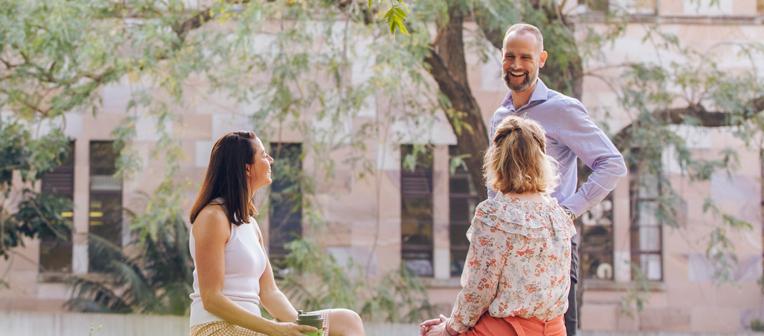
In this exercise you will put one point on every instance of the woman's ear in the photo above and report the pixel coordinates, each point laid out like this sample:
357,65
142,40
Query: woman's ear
247,168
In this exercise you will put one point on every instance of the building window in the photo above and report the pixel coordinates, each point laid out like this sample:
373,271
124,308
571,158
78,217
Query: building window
596,246
105,215
634,7
637,7
285,212
416,209
709,8
646,229
463,198
56,247
594,5
595,228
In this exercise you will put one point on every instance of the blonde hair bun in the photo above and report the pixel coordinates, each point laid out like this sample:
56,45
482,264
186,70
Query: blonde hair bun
516,160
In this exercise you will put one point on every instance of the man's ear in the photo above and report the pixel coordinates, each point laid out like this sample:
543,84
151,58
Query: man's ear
542,58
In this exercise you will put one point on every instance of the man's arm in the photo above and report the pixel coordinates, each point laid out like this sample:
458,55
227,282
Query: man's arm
582,136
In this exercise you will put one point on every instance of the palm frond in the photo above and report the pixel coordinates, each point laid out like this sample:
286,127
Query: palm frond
155,279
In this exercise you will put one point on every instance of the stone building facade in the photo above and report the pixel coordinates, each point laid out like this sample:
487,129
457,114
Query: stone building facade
418,217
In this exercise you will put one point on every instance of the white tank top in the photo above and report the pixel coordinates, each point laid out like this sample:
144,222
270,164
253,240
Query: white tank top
245,261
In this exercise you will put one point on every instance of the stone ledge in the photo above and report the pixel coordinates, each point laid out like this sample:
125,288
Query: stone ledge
599,285
449,283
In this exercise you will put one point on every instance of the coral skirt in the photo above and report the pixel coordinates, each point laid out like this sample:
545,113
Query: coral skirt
516,326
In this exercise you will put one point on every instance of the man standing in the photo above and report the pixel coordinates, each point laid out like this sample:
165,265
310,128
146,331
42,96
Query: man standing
570,134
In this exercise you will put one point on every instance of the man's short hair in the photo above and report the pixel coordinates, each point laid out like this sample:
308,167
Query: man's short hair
524,28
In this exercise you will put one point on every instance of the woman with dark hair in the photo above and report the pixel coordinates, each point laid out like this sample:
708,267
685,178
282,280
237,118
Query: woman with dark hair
232,275
517,273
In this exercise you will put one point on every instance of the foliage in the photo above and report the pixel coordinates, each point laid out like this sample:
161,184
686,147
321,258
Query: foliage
636,296
25,213
151,275
362,85
38,215
310,276
646,90
396,16
400,296
55,64
314,280
757,325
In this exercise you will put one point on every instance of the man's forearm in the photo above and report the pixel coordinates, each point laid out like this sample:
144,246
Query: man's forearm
601,182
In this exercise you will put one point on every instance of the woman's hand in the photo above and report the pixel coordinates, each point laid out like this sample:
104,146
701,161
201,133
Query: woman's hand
289,329
425,326
438,330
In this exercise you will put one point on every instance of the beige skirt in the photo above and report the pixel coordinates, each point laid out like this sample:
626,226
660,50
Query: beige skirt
223,328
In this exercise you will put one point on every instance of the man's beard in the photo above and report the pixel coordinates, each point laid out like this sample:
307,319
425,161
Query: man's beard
518,87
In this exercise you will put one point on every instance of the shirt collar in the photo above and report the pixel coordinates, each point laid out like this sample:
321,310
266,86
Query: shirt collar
540,93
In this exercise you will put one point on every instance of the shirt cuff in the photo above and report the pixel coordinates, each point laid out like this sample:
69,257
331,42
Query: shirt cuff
576,203
455,325
569,213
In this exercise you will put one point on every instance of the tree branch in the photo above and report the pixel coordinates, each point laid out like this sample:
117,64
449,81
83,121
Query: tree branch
194,22
8,64
200,18
698,115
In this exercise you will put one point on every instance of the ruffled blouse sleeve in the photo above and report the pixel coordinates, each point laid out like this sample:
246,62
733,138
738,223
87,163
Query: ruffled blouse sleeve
482,269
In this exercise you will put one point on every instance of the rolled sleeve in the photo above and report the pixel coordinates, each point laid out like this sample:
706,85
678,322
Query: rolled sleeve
587,141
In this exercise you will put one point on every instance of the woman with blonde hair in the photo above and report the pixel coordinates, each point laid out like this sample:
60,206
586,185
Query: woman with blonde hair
517,273
232,275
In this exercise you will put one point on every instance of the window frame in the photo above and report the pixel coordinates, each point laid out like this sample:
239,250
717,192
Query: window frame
293,220
99,194
605,253
458,250
635,227
423,173
65,170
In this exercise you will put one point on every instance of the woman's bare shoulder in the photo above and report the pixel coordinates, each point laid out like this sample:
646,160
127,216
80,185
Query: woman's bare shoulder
211,212
212,218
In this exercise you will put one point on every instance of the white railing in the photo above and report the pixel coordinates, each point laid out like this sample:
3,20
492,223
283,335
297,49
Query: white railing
23,323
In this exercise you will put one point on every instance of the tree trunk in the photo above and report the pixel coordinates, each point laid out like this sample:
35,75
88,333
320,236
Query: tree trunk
448,67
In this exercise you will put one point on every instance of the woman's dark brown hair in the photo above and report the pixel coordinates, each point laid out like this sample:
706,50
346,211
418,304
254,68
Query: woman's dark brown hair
227,178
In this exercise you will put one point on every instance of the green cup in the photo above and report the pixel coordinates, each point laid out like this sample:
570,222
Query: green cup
313,320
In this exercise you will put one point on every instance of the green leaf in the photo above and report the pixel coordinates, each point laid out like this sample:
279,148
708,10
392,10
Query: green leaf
396,17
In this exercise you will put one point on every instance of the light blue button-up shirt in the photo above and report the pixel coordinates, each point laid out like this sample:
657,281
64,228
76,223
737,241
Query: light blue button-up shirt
570,133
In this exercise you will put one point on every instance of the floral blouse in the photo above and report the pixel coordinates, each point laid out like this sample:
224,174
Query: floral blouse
518,263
